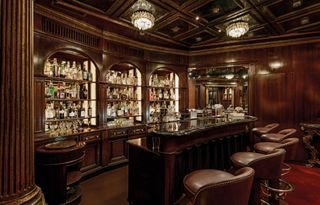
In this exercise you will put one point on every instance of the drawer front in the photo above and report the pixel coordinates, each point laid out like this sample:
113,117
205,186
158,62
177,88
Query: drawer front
118,133
137,130
90,138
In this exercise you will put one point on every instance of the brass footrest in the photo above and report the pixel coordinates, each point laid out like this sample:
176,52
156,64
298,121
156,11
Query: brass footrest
278,192
285,169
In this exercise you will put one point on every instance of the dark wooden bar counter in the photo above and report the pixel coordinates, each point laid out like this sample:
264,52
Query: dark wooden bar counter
158,163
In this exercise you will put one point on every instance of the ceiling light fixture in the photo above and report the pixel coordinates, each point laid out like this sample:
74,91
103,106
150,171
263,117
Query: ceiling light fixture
142,16
237,29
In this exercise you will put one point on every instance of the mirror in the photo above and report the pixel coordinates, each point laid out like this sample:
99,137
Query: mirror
225,85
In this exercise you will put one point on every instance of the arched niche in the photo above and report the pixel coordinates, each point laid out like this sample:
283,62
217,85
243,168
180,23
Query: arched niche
163,96
70,92
124,95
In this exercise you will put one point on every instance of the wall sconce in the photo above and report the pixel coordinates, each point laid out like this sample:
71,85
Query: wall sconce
275,65
229,76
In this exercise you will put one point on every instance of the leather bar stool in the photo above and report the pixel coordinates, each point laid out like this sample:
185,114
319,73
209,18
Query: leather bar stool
289,144
267,168
279,136
258,131
215,187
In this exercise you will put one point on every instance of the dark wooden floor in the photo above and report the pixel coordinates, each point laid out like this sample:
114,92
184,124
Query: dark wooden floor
108,188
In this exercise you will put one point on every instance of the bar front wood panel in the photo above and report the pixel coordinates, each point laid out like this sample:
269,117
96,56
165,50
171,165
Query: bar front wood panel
156,177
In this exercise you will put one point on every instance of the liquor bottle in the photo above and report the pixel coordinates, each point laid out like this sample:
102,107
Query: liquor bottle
89,109
108,110
55,67
151,98
82,111
62,69
61,111
75,110
71,112
74,71
84,92
48,112
160,96
47,68
66,111
47,90
68,70
62,94
79,73
85,75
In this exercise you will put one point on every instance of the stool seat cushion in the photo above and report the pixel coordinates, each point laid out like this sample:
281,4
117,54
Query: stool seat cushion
266,147
273,137
265,129
266,166
201,178
243,159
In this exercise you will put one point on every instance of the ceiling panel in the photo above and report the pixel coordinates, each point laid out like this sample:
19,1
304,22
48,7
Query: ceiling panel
176,24
199,38
177,27
215,9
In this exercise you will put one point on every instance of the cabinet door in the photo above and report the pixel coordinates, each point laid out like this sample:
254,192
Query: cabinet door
92,158
117,150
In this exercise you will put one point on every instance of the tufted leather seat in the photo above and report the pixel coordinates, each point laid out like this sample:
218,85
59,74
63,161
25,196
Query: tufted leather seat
215,187
289,144
263,130
266,166
279,136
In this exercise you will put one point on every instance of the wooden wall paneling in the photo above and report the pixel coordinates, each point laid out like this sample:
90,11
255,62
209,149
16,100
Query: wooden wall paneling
192,94
39,105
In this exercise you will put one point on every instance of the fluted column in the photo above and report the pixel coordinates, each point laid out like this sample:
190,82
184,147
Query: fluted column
17,183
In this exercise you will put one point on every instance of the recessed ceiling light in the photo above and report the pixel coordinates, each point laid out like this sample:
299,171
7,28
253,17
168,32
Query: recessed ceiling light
197,18
219,30
296,3
304,20
198,39
215,9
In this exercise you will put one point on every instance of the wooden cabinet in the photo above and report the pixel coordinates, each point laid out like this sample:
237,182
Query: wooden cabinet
117,148
92,158
58,171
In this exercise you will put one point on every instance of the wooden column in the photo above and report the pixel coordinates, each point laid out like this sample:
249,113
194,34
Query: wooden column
17,183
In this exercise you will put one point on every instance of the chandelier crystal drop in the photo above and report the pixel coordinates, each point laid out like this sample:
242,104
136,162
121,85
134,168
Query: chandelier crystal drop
237,29
142,17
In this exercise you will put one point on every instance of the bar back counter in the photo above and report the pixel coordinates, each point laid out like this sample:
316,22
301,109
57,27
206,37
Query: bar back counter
158,164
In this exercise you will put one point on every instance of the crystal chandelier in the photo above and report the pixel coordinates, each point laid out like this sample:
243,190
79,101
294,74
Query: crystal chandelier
237,29
142,17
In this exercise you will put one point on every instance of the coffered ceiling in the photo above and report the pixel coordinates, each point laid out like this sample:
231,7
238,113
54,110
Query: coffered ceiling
176,25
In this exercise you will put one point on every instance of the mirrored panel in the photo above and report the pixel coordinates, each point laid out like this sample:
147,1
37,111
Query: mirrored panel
224,85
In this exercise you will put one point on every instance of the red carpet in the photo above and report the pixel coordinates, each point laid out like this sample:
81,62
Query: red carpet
307,185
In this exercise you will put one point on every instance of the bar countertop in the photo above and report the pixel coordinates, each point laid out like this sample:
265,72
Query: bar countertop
192,126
